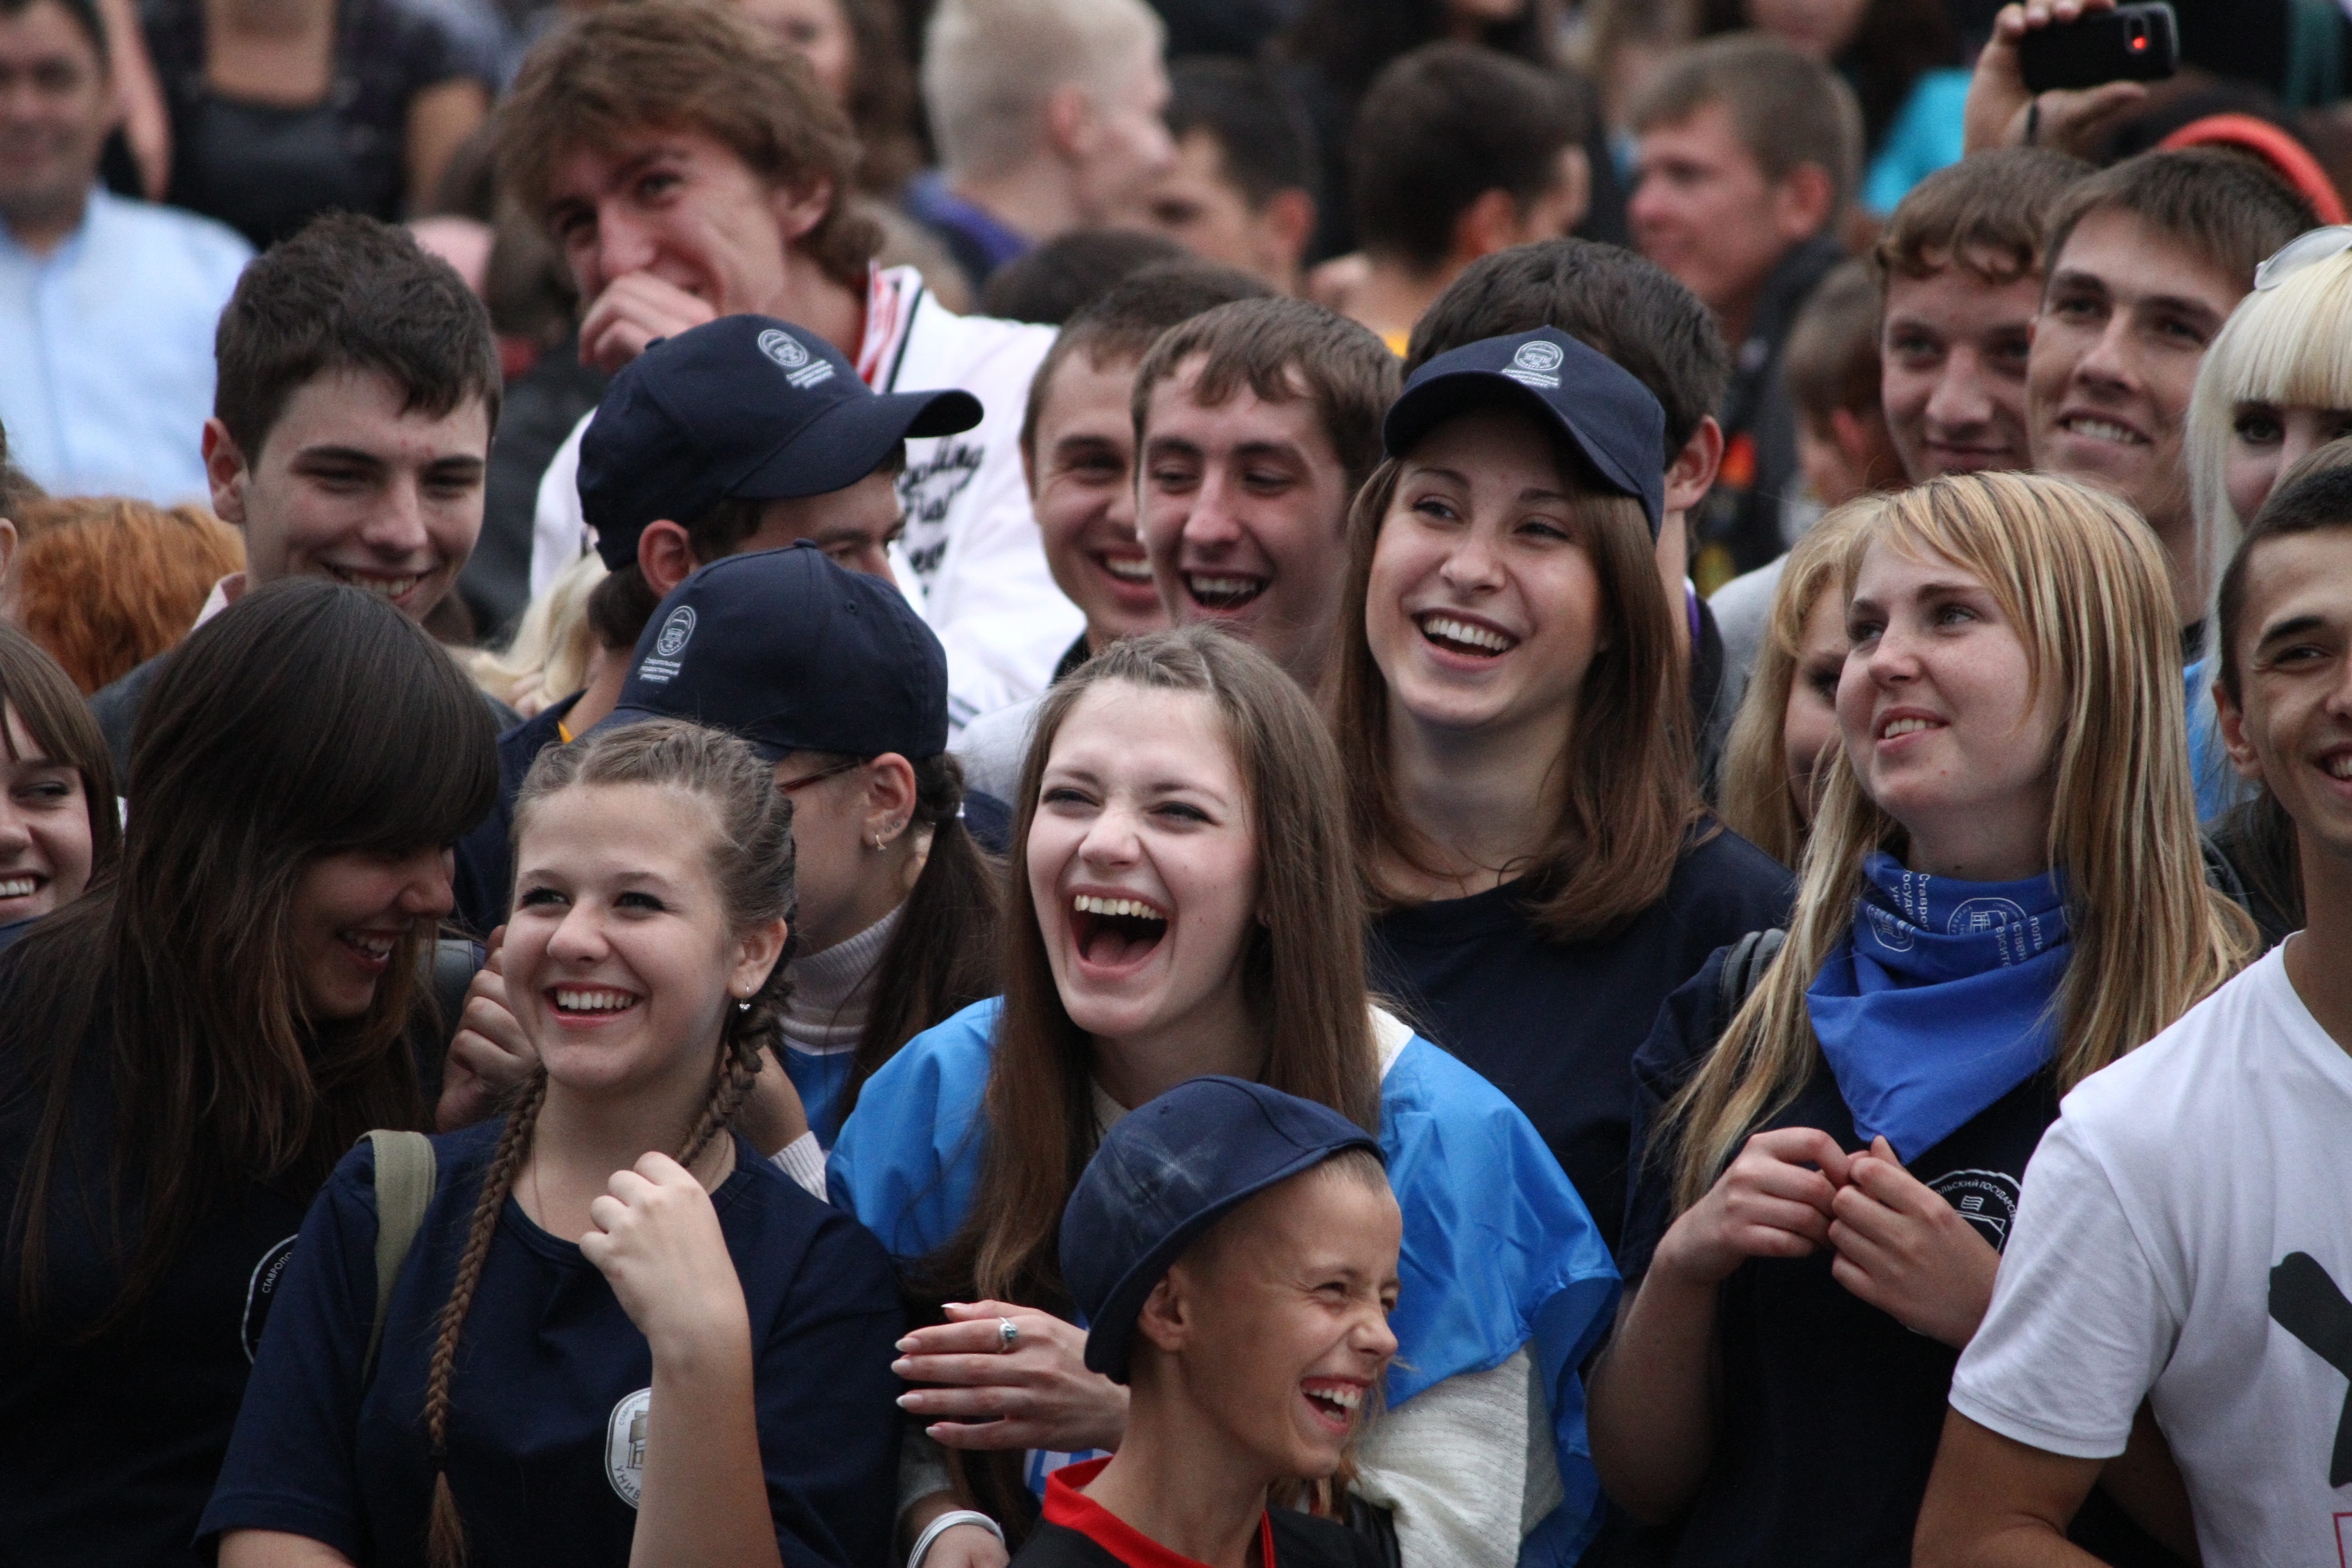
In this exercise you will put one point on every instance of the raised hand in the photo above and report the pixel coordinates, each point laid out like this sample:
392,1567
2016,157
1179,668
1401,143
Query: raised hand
1038,1395
489,1055
1904,1251
1999,111
657,1239
634,310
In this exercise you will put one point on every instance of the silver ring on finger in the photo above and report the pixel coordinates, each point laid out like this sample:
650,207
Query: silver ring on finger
1008,1334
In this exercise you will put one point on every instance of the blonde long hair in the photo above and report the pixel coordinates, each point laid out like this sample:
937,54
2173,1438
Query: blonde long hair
1758,801
2084,581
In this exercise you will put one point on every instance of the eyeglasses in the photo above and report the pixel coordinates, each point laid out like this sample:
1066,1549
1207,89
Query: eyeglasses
2304,249
789,785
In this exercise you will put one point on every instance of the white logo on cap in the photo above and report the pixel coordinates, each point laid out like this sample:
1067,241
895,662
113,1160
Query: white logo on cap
675,631
624,1446
1537,364
801,368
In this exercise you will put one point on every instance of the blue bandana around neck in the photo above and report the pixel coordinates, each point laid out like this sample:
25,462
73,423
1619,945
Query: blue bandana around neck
1939,1003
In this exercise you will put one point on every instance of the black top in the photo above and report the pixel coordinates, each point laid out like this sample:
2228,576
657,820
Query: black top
1300,1540
1829,1410
1555,1025
547,1428
485,872
116,1438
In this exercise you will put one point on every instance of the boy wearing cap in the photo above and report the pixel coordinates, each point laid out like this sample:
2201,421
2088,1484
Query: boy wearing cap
1235,1252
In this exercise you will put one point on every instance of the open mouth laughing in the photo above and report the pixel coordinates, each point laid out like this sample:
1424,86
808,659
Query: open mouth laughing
376,583
21,885
1334,1401
1115,933
1223,592
589,1003
1470,639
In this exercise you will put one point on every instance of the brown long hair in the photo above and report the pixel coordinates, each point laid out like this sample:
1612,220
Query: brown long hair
751,861
308,718
2083,580
1629,806
1302,974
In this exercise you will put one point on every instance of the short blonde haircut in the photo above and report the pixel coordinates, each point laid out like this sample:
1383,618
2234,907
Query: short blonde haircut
548,660
988,65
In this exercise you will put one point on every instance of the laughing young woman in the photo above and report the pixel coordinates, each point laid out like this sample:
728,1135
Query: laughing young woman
2002,894
619,1335
186,1051
1511,717
1184,905
58,825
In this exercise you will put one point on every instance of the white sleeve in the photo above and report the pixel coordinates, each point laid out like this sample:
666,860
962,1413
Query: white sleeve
2080,1324
803,1162
559,534
1466,1467
994,606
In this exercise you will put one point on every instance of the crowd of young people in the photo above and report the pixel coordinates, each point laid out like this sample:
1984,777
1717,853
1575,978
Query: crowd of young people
1179,938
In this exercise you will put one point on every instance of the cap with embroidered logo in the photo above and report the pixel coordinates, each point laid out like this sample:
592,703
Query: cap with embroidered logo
793,653
744,407
1606,413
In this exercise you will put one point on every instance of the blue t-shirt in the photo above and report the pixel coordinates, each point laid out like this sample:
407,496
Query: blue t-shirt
1498,1251
545,1436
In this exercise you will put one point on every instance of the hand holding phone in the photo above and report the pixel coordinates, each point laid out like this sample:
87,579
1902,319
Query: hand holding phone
2004,112
2130,43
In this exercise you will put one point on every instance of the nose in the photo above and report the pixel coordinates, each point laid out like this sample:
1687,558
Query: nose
1110,841
1373,1337
622,244
1892,659
394,527
579,937
430,892
1471,566
2112,360
1214,522
1960,401
16,834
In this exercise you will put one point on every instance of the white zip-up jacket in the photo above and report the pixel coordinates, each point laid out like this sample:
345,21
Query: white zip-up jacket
973,563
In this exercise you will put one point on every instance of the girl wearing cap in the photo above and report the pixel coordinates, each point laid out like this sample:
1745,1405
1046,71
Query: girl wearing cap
602,1342
58,826
1513,728
2002,894
187,1049
1182,904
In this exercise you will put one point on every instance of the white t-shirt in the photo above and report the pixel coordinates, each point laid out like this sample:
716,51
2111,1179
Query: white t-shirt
2188,1214
977,561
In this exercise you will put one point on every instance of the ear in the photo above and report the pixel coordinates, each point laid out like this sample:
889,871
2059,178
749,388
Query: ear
797,211
1288,222
1068,121
889,797
1575,189
1803,202
1692,473
2242,755
1492,222
1165,1318
227,471
8,549
1851,435
665,555
756,952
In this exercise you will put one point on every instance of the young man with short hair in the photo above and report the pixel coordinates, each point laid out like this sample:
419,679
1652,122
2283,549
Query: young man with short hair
1458,153
1959,262
107,305
1255,424
1046,114
1241,191
2183,1247
1831,364
2146,261
689,168
1748,154
358,389
1078,446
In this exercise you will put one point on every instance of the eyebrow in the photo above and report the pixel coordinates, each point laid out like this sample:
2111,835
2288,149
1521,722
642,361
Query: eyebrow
2292,626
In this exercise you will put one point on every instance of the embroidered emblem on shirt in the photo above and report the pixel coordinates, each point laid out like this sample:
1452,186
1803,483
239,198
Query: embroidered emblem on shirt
2309,1305
624,1446
1986,1199
260,1290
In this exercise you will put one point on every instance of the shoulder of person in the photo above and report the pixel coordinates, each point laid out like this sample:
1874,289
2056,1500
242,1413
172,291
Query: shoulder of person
911,1139
1722,876
1689,1022
189,245
1303,1540
981,353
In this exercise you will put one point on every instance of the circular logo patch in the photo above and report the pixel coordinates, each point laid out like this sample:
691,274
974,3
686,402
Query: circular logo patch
1986,1199
624,1446
783,348
675,632
1538,357
261,1289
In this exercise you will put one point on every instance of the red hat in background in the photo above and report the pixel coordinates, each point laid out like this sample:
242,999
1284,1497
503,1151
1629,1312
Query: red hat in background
2278,148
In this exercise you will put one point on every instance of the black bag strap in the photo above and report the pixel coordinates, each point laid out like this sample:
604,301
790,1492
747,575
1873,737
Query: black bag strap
404,1176
1743,969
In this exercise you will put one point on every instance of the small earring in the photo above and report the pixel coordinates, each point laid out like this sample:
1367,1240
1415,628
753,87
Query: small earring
742,1003
878,843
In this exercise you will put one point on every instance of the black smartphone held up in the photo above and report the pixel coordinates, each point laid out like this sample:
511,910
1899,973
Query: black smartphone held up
2130,43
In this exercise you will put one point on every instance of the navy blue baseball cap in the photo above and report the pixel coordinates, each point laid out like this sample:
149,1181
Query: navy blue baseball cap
1605,412
743,407
793,653
1169,1170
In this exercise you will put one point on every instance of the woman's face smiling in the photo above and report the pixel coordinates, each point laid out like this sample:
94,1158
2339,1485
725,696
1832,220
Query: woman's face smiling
2266,439
620,962
1484,610
351,910
1142,860
45,838
1809,724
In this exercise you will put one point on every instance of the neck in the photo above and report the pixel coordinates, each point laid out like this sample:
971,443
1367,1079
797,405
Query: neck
1217,1037
1484,800
814,299
1034,199
39,226
2319,957
2176,532
1992,846
602,694
276,20
1395,295
1214,1516
581,1139
888,878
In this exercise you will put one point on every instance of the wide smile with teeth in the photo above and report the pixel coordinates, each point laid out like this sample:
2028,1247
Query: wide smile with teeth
1464,637
383,587
1907,727
19,887
1219,591
1115,933
2339,766
1335,1399
374,947
2102,430
591,999
1128,568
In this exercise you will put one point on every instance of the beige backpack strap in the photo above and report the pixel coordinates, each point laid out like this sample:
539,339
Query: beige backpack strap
404,1174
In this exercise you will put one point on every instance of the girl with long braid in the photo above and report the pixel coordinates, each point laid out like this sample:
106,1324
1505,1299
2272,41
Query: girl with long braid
646,1393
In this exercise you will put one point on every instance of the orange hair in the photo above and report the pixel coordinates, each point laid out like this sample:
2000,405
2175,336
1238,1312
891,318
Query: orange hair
106,583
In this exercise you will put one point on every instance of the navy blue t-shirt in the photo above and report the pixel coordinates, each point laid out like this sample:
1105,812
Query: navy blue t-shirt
546,1439
1555,1025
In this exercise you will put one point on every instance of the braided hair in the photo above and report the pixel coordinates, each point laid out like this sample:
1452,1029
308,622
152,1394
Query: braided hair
751,861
